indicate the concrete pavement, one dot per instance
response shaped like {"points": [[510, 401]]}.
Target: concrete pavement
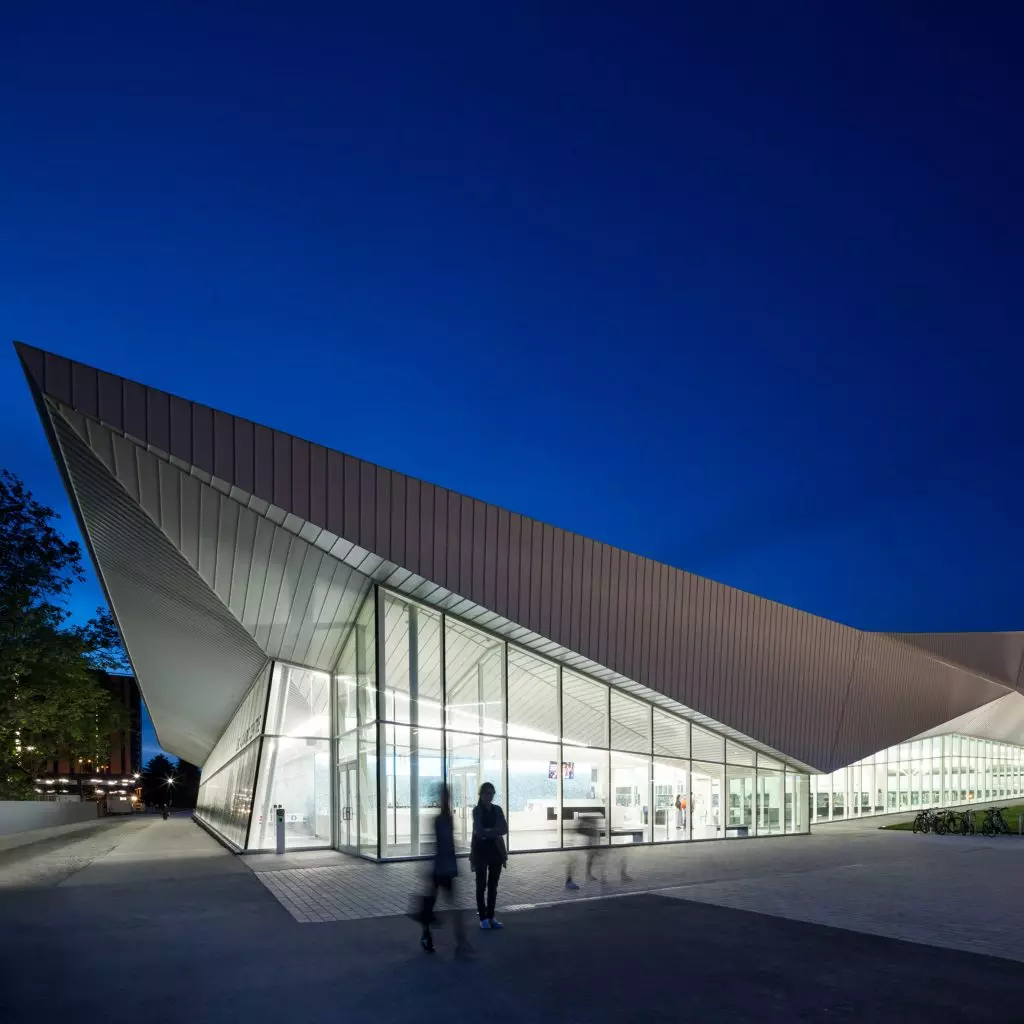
{"points": [[957, 892], [166, 926]]}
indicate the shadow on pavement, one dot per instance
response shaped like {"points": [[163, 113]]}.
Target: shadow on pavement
{"points": [[206, 942]]}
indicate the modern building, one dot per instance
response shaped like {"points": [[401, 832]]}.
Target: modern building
{"points": [[337, 638], [115, 770]]}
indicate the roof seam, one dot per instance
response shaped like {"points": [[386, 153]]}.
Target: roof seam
{"points": [[841, 718]]}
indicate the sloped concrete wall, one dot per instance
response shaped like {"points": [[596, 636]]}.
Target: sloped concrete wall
{"points": [[26, 815]]}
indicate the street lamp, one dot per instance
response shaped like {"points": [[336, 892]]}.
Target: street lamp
{"points": [[170, 789]]}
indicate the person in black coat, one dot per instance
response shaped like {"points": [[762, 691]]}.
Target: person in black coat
{"points": [[488, 854]]}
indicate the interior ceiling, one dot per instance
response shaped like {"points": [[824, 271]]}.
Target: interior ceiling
{"points": [[197, 563]]}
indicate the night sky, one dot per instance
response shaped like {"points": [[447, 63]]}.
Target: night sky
{"points": [[738, 291]]}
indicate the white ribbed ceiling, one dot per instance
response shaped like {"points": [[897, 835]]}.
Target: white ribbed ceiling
{"points": [[295, 599], [204, 587], [193, 660], [1001, 720]]}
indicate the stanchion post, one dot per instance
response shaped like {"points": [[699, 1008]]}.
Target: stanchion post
{"points": [[279, 822]]}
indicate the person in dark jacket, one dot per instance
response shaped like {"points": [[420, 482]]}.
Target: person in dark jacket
{"points": [[488, 855], [445, 871]]}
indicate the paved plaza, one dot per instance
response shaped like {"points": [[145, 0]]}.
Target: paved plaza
{"points": [[951, 891], [145, 920]]}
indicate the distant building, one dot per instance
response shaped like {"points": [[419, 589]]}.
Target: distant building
{"points": [[120, 762]]}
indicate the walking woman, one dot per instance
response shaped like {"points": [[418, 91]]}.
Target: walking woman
{"points": [[444, 871], [487, 854]]}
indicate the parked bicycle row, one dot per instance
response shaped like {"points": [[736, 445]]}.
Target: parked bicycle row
{"points": [[963, 823]]}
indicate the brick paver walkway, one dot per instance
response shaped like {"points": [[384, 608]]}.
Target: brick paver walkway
{"points": [[952, 891]]}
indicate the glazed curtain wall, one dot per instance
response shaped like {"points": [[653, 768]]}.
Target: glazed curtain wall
{"points": [[460, 705], [295, 761], [275, 752], [419, 698], [229, 774], [936, 772]]}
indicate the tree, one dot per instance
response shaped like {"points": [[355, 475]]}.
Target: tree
{"points": [[52, 705], [187, 790], [155, 786]]}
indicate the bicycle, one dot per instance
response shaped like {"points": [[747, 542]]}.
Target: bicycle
{"points": [[925, 822], [994, 823], [968, 826]]}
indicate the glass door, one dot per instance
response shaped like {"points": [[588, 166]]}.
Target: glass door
{"points": [[348, 800], [740, 821], [770, 801], [462, 788]]}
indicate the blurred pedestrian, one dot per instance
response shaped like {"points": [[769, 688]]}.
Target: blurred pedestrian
{"points": [[588, 831], [444, 871], [488, 854]]}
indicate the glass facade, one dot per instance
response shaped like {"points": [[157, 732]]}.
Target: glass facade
{"points": [[356, 758], [229, 776], [941, 771]]}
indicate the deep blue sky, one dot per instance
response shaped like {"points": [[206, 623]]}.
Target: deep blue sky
{"points": [[741, 292]]}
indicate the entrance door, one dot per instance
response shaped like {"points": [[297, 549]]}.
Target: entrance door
{"points": [[348, 798], [462, 786]]}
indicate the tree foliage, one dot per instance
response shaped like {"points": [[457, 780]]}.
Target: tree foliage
{"points": [[186, 793], [52, 705], [155, 788]]}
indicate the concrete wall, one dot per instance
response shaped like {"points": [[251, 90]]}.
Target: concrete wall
{"points": [[25, 815]]}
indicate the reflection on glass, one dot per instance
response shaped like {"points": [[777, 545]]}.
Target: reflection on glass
{"points": [[584, 797], [631, 795], [299, 702], [706, 800], [346, 688], [294, 774], [822, 799], [225, 798], [631, 724], [474, 680], [797, 802], [839, 794], [581, 757], [770, 800], [472, 761], [226, 790], [412, 663], [532, 697], [671, 799], [584, 711], [413, 773], [671, 735], [740, 821], [348, 792], [533, 810], [368, 782]]}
